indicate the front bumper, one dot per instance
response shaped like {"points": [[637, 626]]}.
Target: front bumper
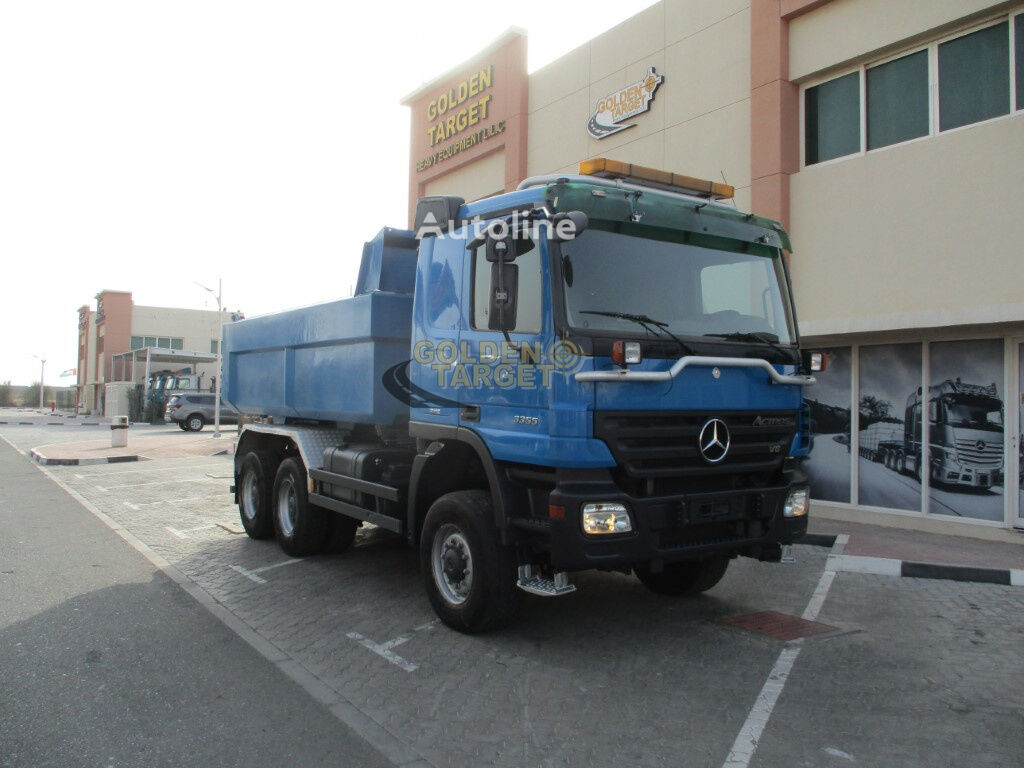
{"points": [[670, 528]]}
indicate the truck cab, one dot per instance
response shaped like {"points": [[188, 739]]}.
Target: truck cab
{"points": [[603, 371]]}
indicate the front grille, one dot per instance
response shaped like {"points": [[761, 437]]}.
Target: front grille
{"points": [[663, 444], [989, 454]]}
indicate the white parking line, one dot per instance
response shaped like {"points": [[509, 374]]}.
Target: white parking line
{"points": [[145, 471], [155, 482], [745, 745], [184, 534], [253, 574], [384, 650]]}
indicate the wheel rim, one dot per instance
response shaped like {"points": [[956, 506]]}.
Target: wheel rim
{"points": [[250, 495], [452, 564], [196, 425], [286, 507]]}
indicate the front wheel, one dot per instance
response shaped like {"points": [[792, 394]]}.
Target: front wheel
{"points": [[469, 576], [195, 422], [686, 578]]}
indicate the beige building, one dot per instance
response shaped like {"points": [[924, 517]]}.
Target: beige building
{"points": [[118, 325], [887, 137]]}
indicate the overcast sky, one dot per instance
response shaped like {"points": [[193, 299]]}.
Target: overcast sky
{"points": [[145, 146]]}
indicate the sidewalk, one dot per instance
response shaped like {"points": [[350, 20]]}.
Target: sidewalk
{"points": [[35, 417], [901, 552], [140, 447]]}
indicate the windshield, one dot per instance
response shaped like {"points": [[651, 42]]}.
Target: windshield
{"points": [[975, 414], [692, 290]]}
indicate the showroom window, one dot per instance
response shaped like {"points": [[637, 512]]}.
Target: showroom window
{"points": [[918, 428], [897, 100], [1018, 36], [832, 119], [974, 77], [961, 80]]}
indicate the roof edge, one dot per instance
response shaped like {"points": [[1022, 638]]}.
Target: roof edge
{"points": [[509, 34]]}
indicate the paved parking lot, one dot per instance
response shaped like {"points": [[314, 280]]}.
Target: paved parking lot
{"points": [[916, 672]]}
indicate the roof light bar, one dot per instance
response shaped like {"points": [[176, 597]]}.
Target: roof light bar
{"points": [[651, 177]]}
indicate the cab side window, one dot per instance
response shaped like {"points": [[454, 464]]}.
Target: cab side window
{"points": [[528, 303]]}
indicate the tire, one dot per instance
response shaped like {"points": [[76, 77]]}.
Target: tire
{"points": [[901, 464], [300, 527], [686, 578], [342, 533], [182, 426], [460, 527], [255, 493], [195, 422]]}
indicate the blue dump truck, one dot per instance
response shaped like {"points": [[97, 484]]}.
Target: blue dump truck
{"points": [[595, 371]]}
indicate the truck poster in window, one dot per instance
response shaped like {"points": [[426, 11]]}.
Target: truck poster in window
{"points": [[890, 428], [965, 414], [828, 404]]}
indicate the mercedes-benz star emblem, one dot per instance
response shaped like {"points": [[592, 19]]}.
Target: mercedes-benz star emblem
{"points": [[980, 445], [713, 441]]}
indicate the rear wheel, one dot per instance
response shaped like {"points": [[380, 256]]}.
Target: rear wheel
{"points": [[686, 578], [300, 527], [195, 422], [470, 577], [255, 491]]}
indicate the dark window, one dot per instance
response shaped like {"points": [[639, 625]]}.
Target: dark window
{"points": [[164, 343], [832, 119], [213, 346], [137, 342], [897, 96], [974, 77], [175, 343], [1018, 31]]}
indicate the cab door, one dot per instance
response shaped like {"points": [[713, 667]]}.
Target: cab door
{"points": [[503, 393]]}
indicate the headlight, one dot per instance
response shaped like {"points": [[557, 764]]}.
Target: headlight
{"points": [[606, 517], [797, 503]]}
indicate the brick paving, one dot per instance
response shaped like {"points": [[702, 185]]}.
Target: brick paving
{"points": [[611, 675]]}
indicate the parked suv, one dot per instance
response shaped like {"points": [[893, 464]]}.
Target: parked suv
{"points": [[194, 410]]}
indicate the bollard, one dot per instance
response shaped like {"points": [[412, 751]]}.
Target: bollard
{"points": [[119, 432]]}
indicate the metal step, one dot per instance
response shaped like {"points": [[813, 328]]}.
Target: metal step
{"points": [[532, 580]]}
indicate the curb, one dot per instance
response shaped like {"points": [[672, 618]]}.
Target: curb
{"points": [[48, 462], [887, 566]]}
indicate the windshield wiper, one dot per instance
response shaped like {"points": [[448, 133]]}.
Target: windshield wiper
{"points": [[765, 338], [644, 321]]}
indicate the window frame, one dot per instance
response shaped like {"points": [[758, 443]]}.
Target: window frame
{"points": [[932, 46]]}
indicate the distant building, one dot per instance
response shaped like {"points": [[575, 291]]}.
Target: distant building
{"points": [[118, 325]]}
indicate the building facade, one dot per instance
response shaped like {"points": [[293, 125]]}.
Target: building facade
{"points": [[118, 325], [887, 137]]}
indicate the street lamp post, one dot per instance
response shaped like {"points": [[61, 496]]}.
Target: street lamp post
{"points": [[220, 335], [42, 385]]}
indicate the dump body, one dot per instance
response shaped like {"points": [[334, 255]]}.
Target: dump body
{"points": [[327, 362]]}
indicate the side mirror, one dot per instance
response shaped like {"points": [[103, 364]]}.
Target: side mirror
{"points": [[569, 225], [814, 362], [501, 313]]}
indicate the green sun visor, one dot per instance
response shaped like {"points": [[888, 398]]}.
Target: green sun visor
{"points": [[656, 209]]}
